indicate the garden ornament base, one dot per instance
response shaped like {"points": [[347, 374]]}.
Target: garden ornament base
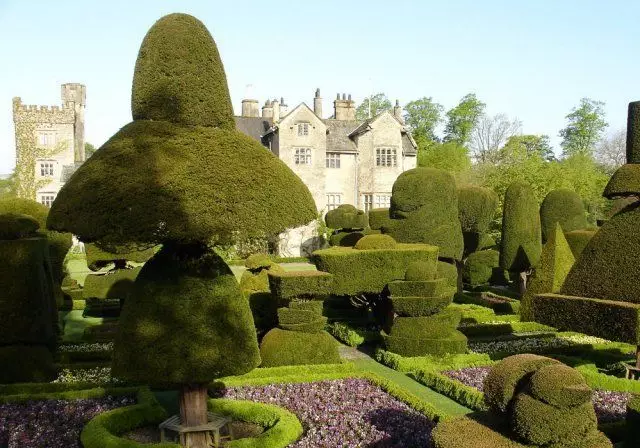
{"points": [[212, 428]]}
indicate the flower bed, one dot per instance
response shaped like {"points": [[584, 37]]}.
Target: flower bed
{"points": [[349, 412], [51, 423], [96, 375]]}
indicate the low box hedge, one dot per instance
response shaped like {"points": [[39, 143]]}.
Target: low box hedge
{"points": [[291, 284], [420, 306], [499, 304]]}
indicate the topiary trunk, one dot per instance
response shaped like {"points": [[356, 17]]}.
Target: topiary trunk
{"points": [[193, 412], [522, 282]]}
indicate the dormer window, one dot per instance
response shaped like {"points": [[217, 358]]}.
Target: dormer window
{"points": [[303, 129]]}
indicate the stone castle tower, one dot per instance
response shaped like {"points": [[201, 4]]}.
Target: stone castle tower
{"points": [[49, 143]]}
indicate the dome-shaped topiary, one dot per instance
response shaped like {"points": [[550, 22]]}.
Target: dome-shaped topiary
{"points": [[346, 216], [14, 226], [420, 270], [479, 267], [257, 261], [562, 206], [476, 208], [369, 242], [179, 76]]}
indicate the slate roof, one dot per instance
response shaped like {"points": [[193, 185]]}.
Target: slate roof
{"points": [[338, 135], [254, 127], [407, 145]]}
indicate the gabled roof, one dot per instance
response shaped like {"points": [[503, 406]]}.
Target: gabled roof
{"points": [[254, 127], [366, 125], [338, 131]]}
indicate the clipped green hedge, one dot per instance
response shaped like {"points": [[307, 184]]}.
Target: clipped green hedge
{"points": [[380, 241], [449, 272], [257, 279], [281, 426], [549, 384], [290, 284], [426, 288], [258, 261], [633, 423], [98, 257], [453, 342], [26, 363], [313, 306], [301, 320], [362, 271], [345, 238], [616, 321], [420, 271], [460, 393], [420, 306], [14, 226], [624, 182], [476, 208], [379, 218], [578, 240], [346, 216], [426, 327], [116, 284], [281, 348], [499, 304], [479, 267], [353, 336], [633, 132], [562, 207]]}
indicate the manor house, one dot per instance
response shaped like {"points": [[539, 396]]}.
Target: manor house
{"points": [[49, 143], [342, 160]]}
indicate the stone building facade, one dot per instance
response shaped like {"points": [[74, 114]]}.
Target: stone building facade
{"points": [[342, 160], [49, 143]]}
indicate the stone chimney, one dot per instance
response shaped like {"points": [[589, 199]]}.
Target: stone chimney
{"points": [[284, 109], [276, 110], [345, 108], [267, 109], [250, 108], [317, 104], [397, 112]]}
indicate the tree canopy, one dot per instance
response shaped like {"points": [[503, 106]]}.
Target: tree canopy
{"points": [[378, 103], [462, 119], [423, 116], [585, 126]]}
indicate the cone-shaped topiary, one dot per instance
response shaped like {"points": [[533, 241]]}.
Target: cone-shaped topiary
{"points": [[578, 240], [521, 235], [424, 209], [555, 263], [562, 206], [186, 179]]}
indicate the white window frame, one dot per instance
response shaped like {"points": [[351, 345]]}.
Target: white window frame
{"points": [[46, 138], [334, 200], [382, 200], [367, 201], [47, 199], [333, 160], [303, 129], [46, 168], [302, 156], [386, 157]]}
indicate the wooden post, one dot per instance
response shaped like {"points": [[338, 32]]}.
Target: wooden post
{"points": [[193, 412]]}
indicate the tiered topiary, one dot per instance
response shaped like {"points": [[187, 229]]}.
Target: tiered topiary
{"points": [[476, 209], [254, 284], [555, 263], [187, 180], [27, 303], [535, 402], [521, 235], [348, 223], [565, 207], [422, 325]]}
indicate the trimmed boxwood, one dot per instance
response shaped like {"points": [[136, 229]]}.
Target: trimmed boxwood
{"points": [[14, 226], [314, 306], [345, 238], [97, 257], [117, 284], [379, 218], [454, 342], [578, 240], [257, 279], [281, 347], [479, 267], [290, 284], [380, 241], [426, 327], [369, 271], [449, 272], [420, 271], [346, 216], [633, 422], [521, 235], [476, 208], [564, 207], [420, 306], [26, 363], [426, 288], [424, 209], [559, 385], [624, 182]]}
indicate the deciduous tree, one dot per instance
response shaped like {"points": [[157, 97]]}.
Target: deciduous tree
{"points": [[462, 119], [585, 125]]}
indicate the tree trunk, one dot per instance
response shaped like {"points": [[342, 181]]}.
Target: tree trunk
{"points": [[193, 412], [522, 283], [638, 356], [459, 267]]}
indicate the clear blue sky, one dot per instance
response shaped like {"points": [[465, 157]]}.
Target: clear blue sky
{"points": [[532, 60]]}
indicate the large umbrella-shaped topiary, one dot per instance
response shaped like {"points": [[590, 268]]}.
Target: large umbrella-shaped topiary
{"points": [[181, 175]]}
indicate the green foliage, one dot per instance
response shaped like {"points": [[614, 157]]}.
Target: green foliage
{"points": [[368, 271], [424, 209], [89, 149], [418, 271], [179, 297], [99, 257], [616, 321], [258, 278], [584, 129], [479, 267], [578, 240], [624, 182], [313, 306], [377, 242], [352, 336], [282, 347], [347, 238], [499, 304], [258, 261], [423, 116], [306, 321], [465, 395], [476, 208], [116, 284], [14, 226], [633, 132], [560, 386], [521, 240], [564, 207], [420, 306], [555, 263], [449, 272], [451, 157], [26, 363], [187, 87], [452, 361], [182, 180], [418, 288], [346, 216], [7, 187], [530, 144], [282, 427], [633, 422], [452, 342], [379, 218], [462, 119], [290, 284], [263, 308], [377, 104], [608, 267]]}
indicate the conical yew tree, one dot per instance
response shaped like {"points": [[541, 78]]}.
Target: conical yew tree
{"points": [[180, 175]]}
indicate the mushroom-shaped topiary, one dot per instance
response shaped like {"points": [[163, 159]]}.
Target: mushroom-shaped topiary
{"points": [[185, 179]]}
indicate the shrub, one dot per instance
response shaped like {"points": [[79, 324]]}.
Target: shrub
{"points": [[313, 306], [369, 242], [26, 363], [424, 209], [353, 336], [346, 216], [114, 285], [264, 310], [420, 271], [426, 327], [301, 320], [476, 208], [427, 288], [290, 284], [98, 257], [258, 279], [633, 422], [454, 342], [369, 271], [555, 262], [560, 386], [564, 207], [14, 226], [449, 272], [521, 244], [475, 241], [379, 218], [578, 240], [616, 321], [479, 267], [345, 238], [499, 304], [258, 261], [281, 348], [624, 182]]}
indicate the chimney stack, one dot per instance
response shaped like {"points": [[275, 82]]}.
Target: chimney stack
{"points": [[317, 104], [250, 108], [397, 112], [276, 110], [344, 109], [284, 109], [267, 109]]}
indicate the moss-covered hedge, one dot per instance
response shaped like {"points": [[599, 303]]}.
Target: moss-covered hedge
{"points": [[565, 207], [476, 208], [362, 271], [290, 284], [281, 347], [521, 235]]}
